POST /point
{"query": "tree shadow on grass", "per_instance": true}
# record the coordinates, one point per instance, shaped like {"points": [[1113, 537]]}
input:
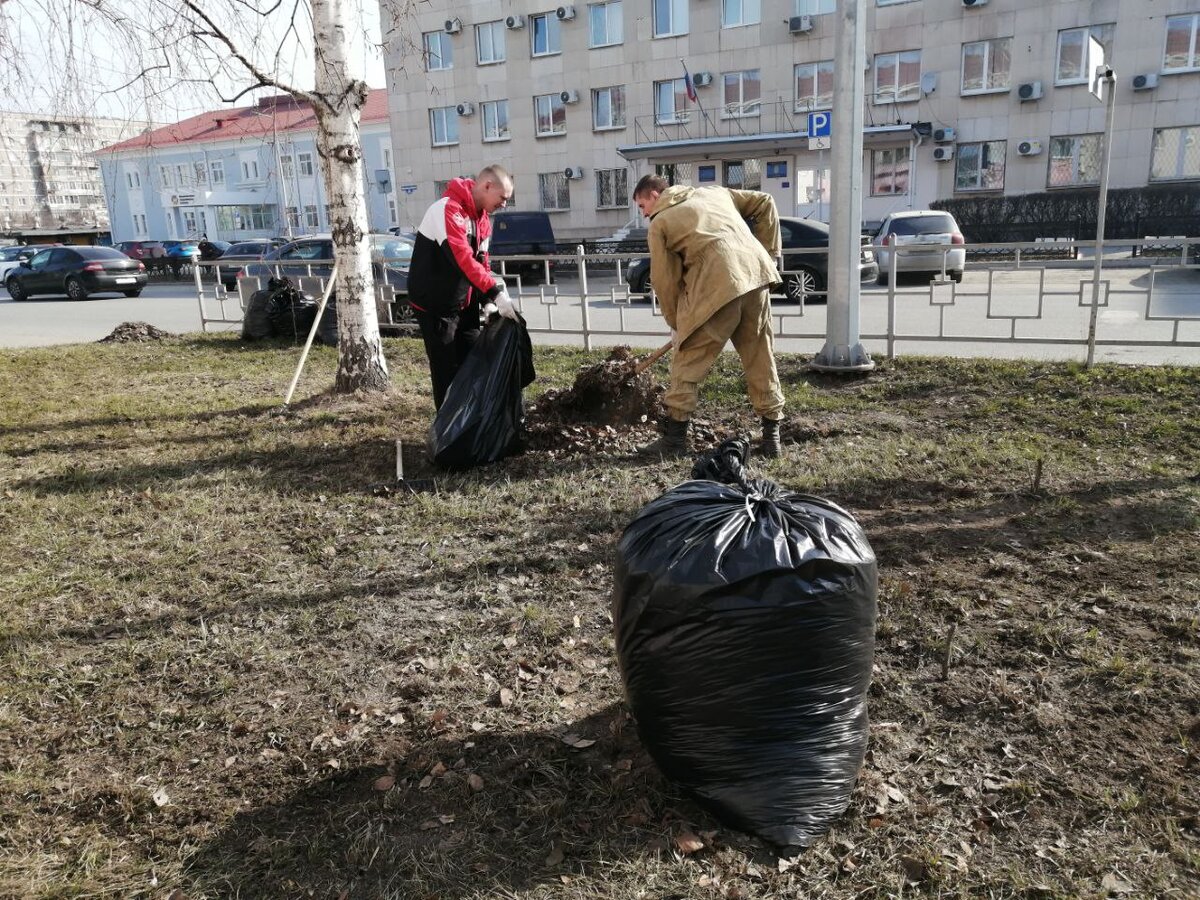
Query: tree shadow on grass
{"points": [[470, 814]]}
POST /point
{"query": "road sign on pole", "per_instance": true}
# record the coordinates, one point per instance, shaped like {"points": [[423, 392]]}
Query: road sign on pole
{"points": [[820, 130]]}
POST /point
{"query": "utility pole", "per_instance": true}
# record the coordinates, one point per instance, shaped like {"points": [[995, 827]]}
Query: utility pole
{"points": [[843, 351], [1104, 74]]}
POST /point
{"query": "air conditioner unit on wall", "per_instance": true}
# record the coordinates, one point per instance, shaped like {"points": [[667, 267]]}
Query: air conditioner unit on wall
{"points": [[565, 12], [452, 26], [1031, 90], [573, 172], [1147, 82], [1029, 148], [943, 135], [943, 154], [974, 3], [800, 24], [465, 109], [515, 22], [569, 96], [702, 79]]}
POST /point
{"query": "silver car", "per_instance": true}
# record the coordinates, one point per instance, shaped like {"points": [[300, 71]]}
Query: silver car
{"points": [[935, 239]]}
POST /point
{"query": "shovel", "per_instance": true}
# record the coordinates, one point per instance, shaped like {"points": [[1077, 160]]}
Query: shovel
{"points": [[649, 361]]}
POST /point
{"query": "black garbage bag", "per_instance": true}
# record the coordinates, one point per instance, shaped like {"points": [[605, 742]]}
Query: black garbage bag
{"points": [[255, 322], [327, 331], [481, 419], [745, 629], [290, 312]]}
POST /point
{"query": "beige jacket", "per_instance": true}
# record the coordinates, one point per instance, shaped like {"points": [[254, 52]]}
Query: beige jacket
{"points": [[703, 253]]}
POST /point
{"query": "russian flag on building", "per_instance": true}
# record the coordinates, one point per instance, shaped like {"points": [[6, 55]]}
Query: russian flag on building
{"points": [[687, 83]]}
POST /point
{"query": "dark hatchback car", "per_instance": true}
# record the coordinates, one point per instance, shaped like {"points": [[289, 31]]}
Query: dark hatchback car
{"points": [[77, 272], [522, 233], [241, 254], [313, 256], [805, 272]]}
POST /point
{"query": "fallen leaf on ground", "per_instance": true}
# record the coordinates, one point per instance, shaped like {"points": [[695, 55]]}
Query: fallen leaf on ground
{"points": [[385, 782], [161, 798], [1115, 884], [688, 843], [474, 782], [556, 856], [506, 697]]}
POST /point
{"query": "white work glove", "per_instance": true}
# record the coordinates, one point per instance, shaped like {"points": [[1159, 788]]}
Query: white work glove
{"points": [[504, 305], [489, 310]]}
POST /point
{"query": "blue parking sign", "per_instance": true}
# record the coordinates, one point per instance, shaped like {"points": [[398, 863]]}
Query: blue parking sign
{"points": [[820, 124]]}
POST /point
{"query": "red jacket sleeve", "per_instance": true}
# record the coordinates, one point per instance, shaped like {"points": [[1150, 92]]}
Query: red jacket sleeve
{"points": [[458, 245]]}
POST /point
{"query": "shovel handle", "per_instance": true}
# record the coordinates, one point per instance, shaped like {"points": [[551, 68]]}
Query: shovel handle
{"points": [[652, 358]]}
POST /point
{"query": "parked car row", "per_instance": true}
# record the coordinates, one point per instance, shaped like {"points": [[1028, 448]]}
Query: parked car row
{"points": [[76, 272]]}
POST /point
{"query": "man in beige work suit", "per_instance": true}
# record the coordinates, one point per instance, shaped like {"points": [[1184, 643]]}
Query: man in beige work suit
{"points": [[712, 274]]}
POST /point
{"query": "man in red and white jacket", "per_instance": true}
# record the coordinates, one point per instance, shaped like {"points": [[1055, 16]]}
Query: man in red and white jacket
{"points": [[450, 275]]}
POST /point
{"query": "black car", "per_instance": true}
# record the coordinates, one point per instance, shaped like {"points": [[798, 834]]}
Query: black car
{"points": [[806, 272], [238, 255], [313, 256], [522, 233], [77, 272]]}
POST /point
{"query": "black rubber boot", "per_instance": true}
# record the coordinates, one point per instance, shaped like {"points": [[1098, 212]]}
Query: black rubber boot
{"points": [[770, 439], [673, 442]]}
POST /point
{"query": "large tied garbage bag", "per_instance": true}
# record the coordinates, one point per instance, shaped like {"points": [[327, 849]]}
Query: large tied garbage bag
{"points": [[481, 419], [745, 628], [278, 310]]}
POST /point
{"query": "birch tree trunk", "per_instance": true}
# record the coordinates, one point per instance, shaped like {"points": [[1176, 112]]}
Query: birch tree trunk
{"points": [[340, 99]]}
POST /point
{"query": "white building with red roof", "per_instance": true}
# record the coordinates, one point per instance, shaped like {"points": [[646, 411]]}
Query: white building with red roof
{"points": [[237, 174]]}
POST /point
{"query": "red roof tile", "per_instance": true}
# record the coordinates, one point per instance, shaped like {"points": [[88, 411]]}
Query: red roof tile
{"points": [[268, 116]]}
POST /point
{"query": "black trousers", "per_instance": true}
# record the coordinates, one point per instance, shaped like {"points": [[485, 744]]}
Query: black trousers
{"points": [[448, 340]]}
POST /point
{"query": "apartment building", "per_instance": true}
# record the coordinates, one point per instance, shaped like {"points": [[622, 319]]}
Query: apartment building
{"points": [[963, 98], [239, 173], [49, 178]]}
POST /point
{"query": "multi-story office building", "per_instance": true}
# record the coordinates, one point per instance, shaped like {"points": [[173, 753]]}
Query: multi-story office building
{"points": [[49, 178], [963, 98], [240, 173]]}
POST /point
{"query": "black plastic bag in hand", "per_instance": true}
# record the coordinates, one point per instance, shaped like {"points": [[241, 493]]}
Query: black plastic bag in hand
{"points": [[745, 628], [480, 420]]}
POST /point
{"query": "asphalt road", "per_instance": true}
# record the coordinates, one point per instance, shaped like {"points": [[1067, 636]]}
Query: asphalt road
{"points": [[960, 320]]}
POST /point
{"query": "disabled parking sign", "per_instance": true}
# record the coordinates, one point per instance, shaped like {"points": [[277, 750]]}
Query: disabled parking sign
{"points": [[820, 129]]}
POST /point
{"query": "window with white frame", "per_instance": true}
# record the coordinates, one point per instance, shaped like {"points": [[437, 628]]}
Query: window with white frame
{"points": [[489, 43], [285, 166], [181, 174], [898, 77], [605, 26], [735, 13], [293, 216], [200, 173], [1074, 160], [443, 126], [304, 163], [670, 17], [612, 188], [986, 66], [979, 166], [391, 211], [608, 107], [544, 35], [311, 219], [164, 176], [815, 7], [1176, 154], [670, 102], [494, 115], [387, 156], [139, 224], [438, 52], [189, 221], [217, 168], [554, 190], [440, 188], [133, 179], [1072, 51], [549, 115], [890, 168], [891, 2], [249, 169], [741, 94], [1182, 53], [814, 85]]}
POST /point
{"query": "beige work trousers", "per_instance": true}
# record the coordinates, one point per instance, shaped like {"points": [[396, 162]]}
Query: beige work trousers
{"points": [[746, 320]]}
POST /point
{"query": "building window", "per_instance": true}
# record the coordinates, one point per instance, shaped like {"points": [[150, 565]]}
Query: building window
{"points": [[670, 102], [245, 218], [164, 176], [740, 12], [544, 36], [285, 166], [898, 77], [495, 120], [985, 66], [1074, 160], [139, 224], [439, 53], [443, 126], [217, 168], [200, 173], [310, 217], [549, 115], [1176, 154], [605, 27], [815, 7], [889, 171], [440, 188], [304, 162], [133, 178], [554, 190], [391, 211], [670, 17], [1182, 53], [249, 170], [293, 217], [612, 189], [608, 107], [814, 85], [489, 43], [189, 221], [742, 94], [387, 157], [1072, 52], [181, 175], [980, 167]]}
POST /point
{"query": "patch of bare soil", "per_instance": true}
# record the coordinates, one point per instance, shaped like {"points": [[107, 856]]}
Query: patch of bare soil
{"points": [[136, 333]]}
